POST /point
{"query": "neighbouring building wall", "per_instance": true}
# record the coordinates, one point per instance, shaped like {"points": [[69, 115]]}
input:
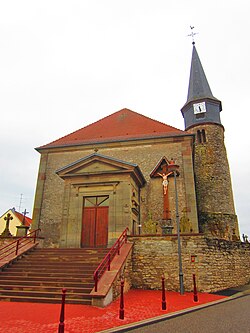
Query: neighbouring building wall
{"points": [[218, 264], [12, 225]]}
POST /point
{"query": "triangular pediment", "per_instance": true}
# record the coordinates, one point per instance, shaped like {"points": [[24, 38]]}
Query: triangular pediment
{"points": [[163, 166], [96, 167], [97, 164]]}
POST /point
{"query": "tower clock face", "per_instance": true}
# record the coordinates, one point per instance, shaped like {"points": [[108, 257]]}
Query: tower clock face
{"points": [[199, 107]]}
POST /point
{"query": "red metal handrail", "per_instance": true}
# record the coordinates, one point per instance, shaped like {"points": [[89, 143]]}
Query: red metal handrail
{"points": [[105, 264], [15, 246], [61, 323]]}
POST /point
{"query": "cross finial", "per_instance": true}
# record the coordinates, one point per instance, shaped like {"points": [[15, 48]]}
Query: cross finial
{"points": [[192, 34], [25, 212], [24, 215]]}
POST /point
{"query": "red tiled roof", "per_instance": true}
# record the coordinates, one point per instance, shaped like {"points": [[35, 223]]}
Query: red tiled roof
{"points": [[20, 217], [119, 126]]}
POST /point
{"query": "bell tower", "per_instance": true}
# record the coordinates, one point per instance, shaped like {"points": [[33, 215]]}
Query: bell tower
{"points": [[201, 113]]}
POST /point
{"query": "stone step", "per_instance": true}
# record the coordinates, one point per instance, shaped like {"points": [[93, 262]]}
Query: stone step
{"points": [[68, 252], [52, 269], [43, 251], [37, 252], [81, 259], [57, 265], [52, 279], [44, 288], [72, 248], [46, 294], [46, 283], [40, 275], [80, 275], [40, 299]]}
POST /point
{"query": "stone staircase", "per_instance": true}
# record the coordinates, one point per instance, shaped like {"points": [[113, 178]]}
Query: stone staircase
{"points": [[40, 275]]}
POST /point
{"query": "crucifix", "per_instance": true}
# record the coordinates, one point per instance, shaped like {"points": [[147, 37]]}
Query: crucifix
{"points": [[164, 169], [24, 215], [6, 232], [165, 181], [164, 175]]}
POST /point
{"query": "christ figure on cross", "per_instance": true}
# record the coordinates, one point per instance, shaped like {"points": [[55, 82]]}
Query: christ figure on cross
{"points": [[165, 180]]}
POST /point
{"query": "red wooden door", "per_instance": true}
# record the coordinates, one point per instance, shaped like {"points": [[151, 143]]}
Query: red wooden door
{"points": [[101, 238], [95, 222], [88, 227]]}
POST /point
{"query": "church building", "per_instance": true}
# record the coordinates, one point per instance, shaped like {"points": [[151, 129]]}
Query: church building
{"points": [[128, 170]]}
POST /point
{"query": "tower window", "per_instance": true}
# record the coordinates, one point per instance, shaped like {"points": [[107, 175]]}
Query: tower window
{"points": [[201, 136]]}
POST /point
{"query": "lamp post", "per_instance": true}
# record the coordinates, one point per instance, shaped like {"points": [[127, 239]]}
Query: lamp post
{"points": [[174, 168]]}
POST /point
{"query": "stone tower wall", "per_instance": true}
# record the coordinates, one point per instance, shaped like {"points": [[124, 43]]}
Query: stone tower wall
{"points": [[213, 183]]}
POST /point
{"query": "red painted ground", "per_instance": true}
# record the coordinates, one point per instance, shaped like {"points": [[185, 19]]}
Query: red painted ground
{"points": [[139, 305]]}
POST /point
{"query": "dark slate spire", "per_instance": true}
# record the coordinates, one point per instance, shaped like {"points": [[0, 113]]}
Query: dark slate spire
{"points": [[198, 84], [201, 106]]}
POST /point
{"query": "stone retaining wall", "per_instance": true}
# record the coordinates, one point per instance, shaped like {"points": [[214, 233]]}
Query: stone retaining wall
{"points": [[125, 273], [218, 264]]}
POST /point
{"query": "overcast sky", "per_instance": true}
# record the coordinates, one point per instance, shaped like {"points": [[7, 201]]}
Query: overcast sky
{"points": [[66, 64]]}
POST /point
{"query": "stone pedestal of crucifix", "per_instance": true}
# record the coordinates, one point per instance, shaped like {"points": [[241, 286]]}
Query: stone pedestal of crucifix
{"points": [[6, 232], [22, 229]]}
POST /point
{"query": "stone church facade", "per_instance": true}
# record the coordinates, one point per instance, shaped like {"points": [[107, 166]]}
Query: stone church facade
{"points": [[117, 174], [107, 176]]}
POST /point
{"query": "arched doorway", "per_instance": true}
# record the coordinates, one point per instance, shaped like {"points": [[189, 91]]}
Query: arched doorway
{"points": [[95, 221]]}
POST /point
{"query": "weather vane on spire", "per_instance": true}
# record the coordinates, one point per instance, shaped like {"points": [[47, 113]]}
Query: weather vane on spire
{"points": [[192, 34]]}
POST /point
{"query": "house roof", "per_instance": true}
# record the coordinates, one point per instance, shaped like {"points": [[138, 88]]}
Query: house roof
{"points": [[122, 125], [19, 216]]}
